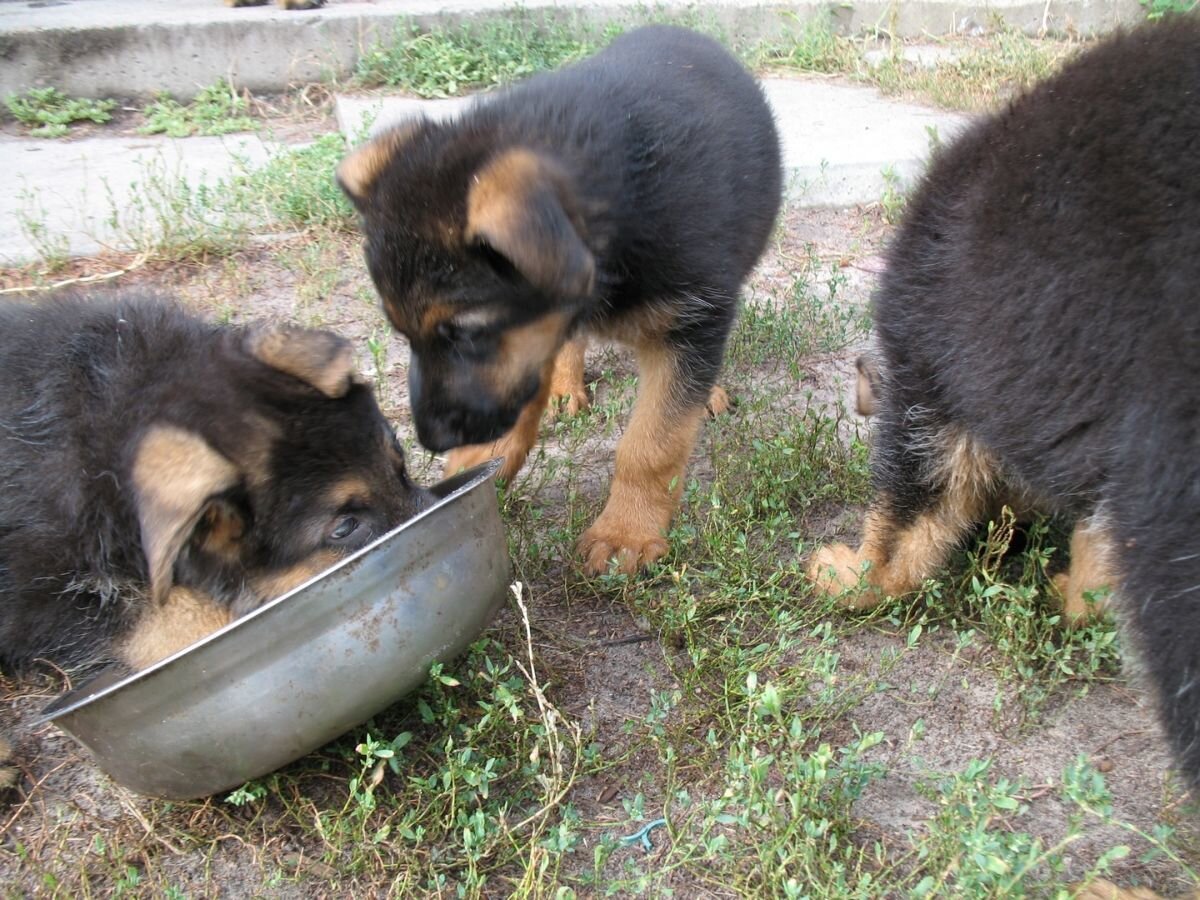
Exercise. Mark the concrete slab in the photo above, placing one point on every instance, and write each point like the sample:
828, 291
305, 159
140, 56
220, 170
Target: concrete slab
127, 48
76, 198
838, 140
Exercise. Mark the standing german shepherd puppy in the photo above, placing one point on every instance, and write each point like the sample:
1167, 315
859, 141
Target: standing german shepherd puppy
162, 475
1040, 331
626, 196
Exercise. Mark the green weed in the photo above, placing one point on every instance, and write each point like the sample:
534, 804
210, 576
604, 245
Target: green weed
48, 112
1158, 9
217, 109
445, 62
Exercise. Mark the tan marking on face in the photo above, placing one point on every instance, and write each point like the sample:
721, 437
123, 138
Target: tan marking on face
320, 358
648, 480
523, 349
349, 490
174, 474
358, 172
1093, 568
513, 446
184, 617
434, 315
521, 205
899, 559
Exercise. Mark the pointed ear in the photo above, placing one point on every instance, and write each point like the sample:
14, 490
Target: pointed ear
519, 205
320, 358
358, 172
175, 474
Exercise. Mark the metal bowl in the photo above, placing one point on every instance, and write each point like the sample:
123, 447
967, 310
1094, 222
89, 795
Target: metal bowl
308, 666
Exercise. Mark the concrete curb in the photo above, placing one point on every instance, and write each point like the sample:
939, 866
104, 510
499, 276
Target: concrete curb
136, 48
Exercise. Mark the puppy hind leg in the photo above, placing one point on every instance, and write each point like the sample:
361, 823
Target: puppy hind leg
906, 543
514, 445
1092, 569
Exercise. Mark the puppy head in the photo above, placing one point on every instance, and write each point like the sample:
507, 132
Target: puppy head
285, 465
481, 260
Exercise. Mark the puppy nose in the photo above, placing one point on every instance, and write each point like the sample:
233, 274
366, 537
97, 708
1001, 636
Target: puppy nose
438, 433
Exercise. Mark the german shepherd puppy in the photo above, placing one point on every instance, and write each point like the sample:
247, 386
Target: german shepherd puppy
1039, 327
163, 475
626, 196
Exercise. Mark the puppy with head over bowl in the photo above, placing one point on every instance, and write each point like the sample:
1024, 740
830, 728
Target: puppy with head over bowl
1039, 335
163, 475
627, 196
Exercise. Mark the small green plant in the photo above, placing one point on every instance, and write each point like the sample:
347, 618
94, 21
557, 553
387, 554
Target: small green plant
218, 109
249, 793
445, 62
49, 113
1158, 9
297, 188
893, 198
812, 46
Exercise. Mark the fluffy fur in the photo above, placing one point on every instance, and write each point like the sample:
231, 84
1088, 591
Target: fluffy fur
626, 196
162, 474
1039, 324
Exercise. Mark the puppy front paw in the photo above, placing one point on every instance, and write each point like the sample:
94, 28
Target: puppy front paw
631, 548
719, 402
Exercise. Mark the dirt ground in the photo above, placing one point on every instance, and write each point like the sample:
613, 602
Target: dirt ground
942, 706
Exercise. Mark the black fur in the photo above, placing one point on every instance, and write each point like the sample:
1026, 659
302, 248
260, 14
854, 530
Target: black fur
670, 177
1043, 296
84, 379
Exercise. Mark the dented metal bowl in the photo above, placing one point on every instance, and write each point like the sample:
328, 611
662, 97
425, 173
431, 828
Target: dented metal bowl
305, 668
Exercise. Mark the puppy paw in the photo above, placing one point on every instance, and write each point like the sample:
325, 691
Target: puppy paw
568, 402
837, 571
631, 548
1103, 889
462, 458
719, 402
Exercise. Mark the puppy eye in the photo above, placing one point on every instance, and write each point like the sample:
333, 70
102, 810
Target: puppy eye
461, 334
345, 527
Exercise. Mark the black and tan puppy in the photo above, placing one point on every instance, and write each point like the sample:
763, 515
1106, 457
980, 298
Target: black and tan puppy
1039, 324
162, 475
627, 196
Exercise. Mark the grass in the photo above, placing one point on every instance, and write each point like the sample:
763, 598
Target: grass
442, 62
217, 109
47, 112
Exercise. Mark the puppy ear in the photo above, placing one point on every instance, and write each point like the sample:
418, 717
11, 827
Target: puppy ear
320, 358
358, 172
175, 474
518, 205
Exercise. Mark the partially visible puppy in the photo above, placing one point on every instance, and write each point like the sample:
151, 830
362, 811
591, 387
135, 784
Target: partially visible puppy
163, 475
283, 4
1039, 324
626, 196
